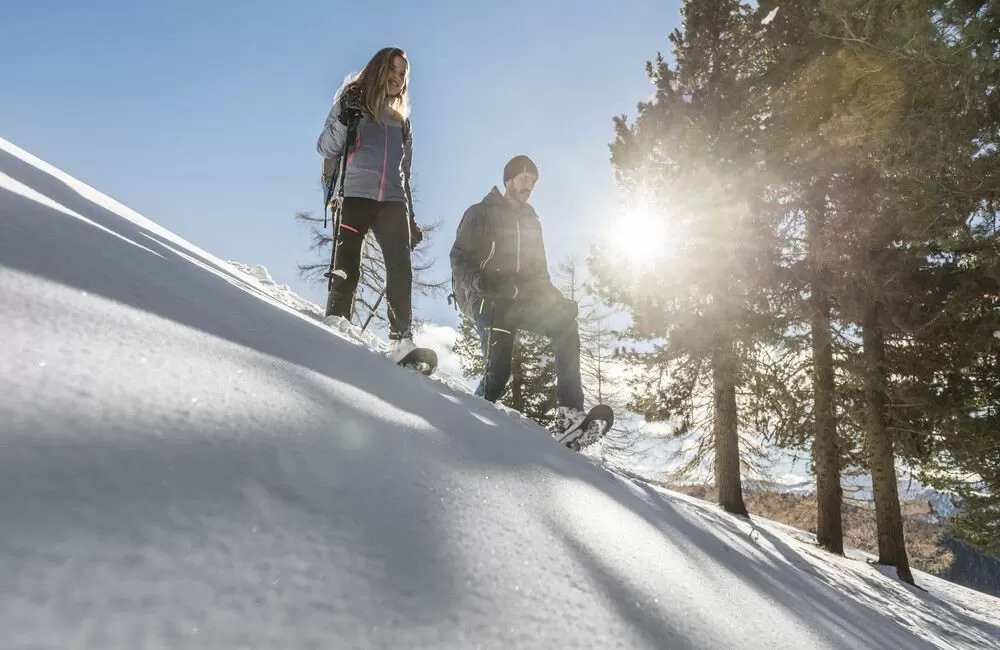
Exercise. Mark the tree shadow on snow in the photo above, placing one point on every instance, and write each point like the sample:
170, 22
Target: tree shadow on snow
804, 591
627, 600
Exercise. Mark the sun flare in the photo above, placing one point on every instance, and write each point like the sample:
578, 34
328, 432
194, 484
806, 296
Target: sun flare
641, 237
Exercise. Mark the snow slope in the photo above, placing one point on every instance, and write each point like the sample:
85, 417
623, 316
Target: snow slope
650, 454
186, 462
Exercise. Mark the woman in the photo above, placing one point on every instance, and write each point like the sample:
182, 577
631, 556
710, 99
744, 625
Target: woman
376, 187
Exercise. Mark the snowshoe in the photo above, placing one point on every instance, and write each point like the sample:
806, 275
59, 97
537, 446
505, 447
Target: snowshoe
422, 360
405, 353
577, 429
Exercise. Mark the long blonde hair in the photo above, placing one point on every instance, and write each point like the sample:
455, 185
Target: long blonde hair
373, 82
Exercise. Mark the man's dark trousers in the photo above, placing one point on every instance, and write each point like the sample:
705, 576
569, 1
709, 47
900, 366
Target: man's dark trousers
497, 323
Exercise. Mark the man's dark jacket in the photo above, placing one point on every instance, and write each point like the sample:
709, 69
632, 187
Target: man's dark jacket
503, 247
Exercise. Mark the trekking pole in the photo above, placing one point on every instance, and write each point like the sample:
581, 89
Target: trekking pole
371, 314
489, 346
351, 131
329, 193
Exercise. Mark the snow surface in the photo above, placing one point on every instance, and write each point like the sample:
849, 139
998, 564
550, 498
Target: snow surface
649, 453
188, 462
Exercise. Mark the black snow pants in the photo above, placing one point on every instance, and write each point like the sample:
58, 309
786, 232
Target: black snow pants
497, 323
389, 222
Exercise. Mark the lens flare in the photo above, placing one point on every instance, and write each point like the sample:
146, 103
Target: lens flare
642, 237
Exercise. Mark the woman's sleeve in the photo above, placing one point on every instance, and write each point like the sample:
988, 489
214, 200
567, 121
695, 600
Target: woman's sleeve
331, 139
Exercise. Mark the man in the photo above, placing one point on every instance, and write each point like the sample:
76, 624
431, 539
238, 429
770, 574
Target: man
501, 281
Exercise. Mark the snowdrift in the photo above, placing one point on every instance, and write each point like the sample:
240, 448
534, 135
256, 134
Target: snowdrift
187, 462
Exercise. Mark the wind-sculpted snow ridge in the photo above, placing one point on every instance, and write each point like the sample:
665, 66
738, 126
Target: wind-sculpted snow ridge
188, 462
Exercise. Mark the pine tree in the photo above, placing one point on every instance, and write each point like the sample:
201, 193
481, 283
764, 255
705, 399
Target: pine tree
468, 348
859, 116
533, 378
702, 313
797, 191
963, 390
888, 126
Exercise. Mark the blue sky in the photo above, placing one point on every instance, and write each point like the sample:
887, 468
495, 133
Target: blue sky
203, 116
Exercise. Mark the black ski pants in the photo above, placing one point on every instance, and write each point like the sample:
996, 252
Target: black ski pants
497, 323
389, 222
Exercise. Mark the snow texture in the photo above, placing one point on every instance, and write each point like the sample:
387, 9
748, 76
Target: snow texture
649, 454
187, 462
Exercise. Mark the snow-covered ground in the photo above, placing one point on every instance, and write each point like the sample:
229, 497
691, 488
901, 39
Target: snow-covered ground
649, 455
187, 461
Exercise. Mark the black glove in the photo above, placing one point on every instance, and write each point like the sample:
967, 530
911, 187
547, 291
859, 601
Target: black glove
501, 288
350, 106
416, 235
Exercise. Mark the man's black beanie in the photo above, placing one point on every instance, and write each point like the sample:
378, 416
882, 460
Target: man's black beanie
518, 165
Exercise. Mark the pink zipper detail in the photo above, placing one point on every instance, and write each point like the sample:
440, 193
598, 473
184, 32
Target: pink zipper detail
385, 159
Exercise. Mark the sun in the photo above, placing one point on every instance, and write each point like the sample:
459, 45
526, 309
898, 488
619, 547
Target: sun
641, 237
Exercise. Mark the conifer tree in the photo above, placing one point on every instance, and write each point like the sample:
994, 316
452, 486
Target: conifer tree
865, 175
877, 110
859, 115
796, 194
962, 387
700, 313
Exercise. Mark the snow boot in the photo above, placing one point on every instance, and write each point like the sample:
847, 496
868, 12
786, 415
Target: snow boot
399, 347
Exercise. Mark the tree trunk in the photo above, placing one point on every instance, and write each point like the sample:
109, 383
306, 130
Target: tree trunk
826, 451
726, 432
888, 518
